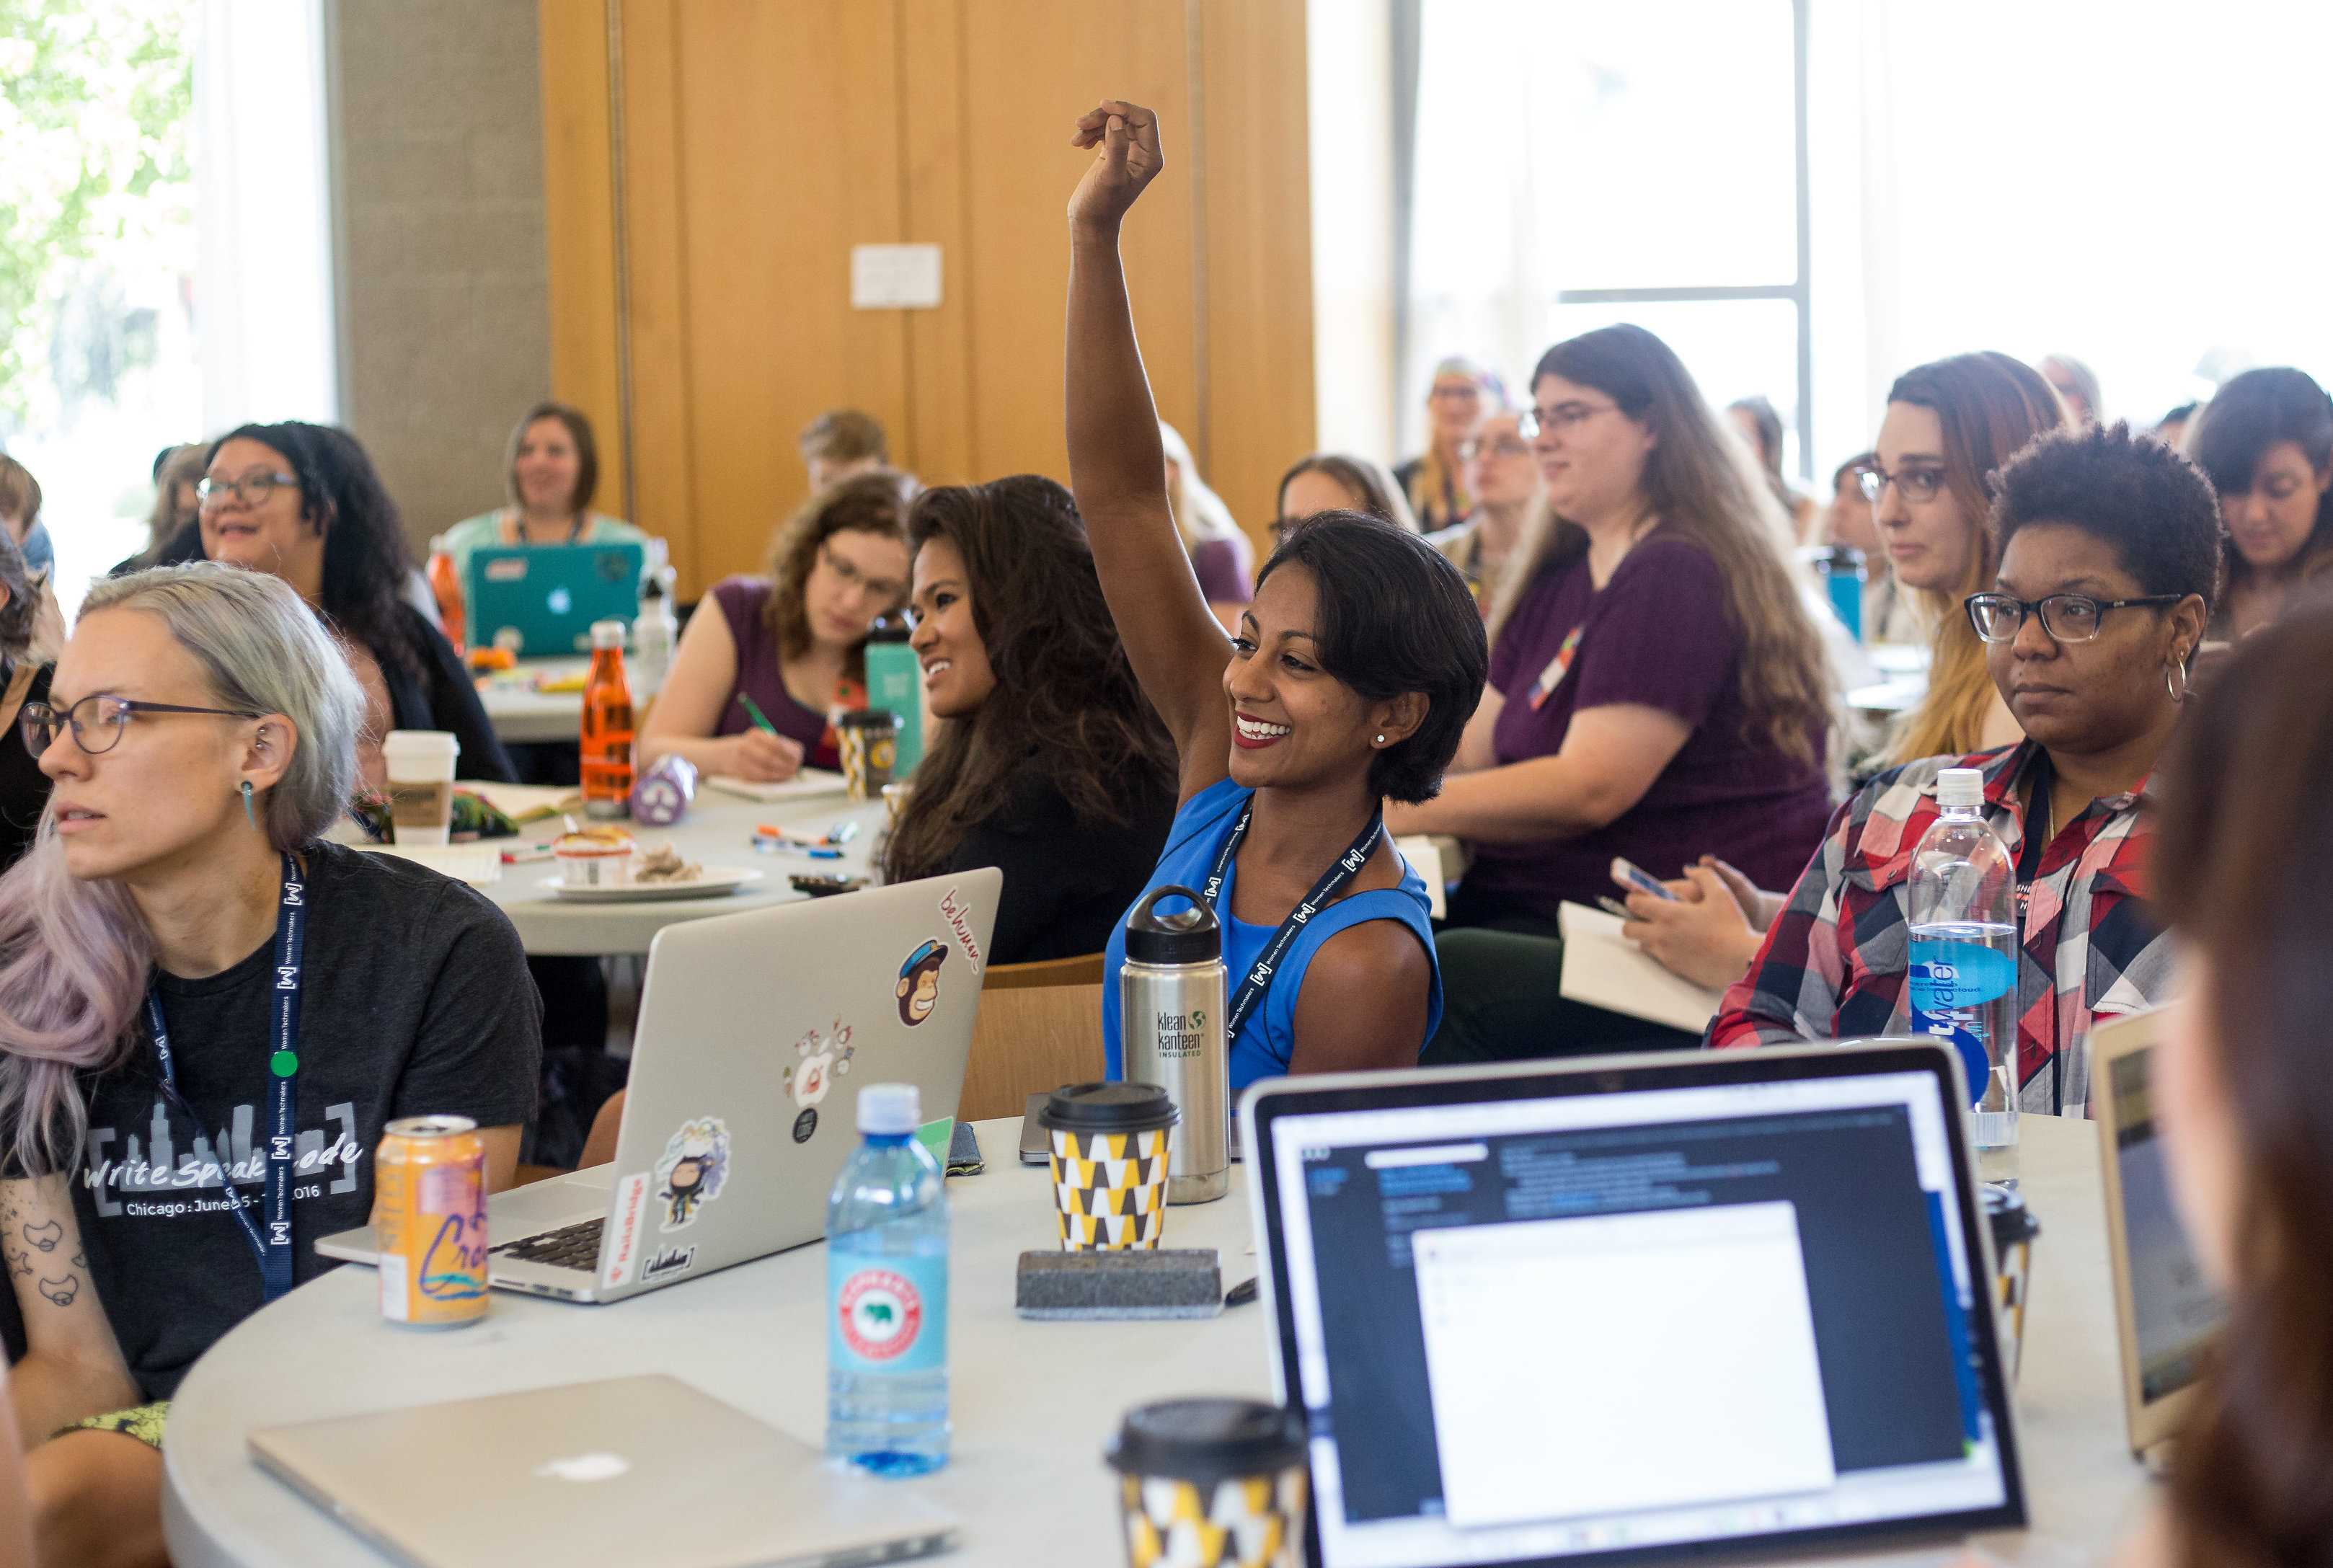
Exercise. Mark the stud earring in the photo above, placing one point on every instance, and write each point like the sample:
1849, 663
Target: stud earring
249, 814
1381, 740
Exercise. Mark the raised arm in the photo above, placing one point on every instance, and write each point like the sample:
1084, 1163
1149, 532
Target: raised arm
1118, 469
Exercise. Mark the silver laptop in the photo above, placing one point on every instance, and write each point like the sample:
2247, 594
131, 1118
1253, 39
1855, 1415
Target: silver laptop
755, 1032
1633, 1306
630, 1472
2167, 1316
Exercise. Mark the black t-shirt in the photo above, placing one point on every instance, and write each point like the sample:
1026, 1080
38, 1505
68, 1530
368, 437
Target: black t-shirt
415, 999
24, 787
1066, 880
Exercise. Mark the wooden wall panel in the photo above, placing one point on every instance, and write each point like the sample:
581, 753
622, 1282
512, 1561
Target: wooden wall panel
934, 153
656, 250
579, 224
789, 131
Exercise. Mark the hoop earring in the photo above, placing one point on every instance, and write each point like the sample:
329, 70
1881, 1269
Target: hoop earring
249, 816
2179, 693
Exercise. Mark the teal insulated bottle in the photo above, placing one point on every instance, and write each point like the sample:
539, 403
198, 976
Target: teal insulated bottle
894, 683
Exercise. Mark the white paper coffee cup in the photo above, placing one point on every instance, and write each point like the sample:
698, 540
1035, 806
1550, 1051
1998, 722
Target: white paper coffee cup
420, 766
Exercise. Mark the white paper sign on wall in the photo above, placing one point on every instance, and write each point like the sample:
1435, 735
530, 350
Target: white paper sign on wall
894, 277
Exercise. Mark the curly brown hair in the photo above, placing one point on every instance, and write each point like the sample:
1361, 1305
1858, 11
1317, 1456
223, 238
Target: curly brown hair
1065, 703
873, 503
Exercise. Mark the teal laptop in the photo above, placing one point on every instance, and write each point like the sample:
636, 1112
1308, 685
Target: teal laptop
550, 595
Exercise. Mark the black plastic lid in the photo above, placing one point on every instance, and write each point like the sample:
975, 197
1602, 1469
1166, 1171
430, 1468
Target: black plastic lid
2005, 1210
889, 627
1109, 1108
1842, 558
1191, 936
866, 718
1207, 1439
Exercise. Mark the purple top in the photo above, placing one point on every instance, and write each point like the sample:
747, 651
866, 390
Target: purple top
744, 604
1225, 569
1658, 635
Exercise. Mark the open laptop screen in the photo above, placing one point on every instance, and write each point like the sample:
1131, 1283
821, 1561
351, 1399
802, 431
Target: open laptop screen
1532, 1323
2172, 1315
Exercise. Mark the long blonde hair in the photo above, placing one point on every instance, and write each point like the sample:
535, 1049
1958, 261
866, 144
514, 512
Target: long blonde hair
1200, 514
1989, 405
1704, 485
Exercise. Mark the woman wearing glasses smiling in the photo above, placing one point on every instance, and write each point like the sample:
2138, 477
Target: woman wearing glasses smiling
2110, 565
792, 644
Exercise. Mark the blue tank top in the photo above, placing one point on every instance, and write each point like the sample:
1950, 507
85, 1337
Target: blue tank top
1267, 1039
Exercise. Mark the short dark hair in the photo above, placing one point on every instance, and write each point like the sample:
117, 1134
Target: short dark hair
365, 560
1365, 480
586, 452
844, 435
2131, 491
1396, 617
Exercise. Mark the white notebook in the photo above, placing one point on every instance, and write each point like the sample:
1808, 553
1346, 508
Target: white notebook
1605, 969
809, 783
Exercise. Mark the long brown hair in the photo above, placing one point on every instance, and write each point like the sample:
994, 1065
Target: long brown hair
2241, 853
1065, 703
1989, 405
874, 503
1703, 486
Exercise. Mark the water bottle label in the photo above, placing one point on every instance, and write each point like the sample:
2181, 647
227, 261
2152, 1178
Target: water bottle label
1950, 984
889, 1317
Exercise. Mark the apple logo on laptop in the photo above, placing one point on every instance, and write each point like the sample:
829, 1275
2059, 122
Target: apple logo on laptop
585, 1467
561, 601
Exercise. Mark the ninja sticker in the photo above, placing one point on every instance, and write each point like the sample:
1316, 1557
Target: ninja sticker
693, 1171
821, 1058
919, 983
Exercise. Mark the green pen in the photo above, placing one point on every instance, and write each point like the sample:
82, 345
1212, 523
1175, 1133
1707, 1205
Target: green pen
753, 712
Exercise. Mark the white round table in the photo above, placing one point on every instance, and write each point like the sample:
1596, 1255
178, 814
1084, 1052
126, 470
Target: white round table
718, 831
1033, 1402
519, 713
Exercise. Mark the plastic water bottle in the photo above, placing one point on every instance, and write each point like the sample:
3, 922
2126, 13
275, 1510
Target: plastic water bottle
886, 1272
1965, 951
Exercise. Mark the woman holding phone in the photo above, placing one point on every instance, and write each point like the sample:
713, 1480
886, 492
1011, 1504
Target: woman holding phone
1348, 682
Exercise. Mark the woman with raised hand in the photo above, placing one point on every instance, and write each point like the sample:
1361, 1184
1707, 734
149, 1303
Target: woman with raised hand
1347, 683
201, 734
2109, 549
1047, 762
755, 685
2246, 1104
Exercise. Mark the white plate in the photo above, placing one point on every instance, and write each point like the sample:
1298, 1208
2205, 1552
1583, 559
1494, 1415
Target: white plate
715, 881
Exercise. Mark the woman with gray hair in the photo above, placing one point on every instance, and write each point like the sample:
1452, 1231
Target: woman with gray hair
208, 1013
24, 677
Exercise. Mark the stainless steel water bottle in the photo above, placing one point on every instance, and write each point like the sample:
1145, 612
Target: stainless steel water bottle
1170, 995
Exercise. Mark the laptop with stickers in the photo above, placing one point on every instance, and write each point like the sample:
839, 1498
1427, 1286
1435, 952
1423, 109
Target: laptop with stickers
755, 1031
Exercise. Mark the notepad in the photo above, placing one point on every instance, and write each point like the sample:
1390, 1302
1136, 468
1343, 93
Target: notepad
808, 784
478, 864
1604, 969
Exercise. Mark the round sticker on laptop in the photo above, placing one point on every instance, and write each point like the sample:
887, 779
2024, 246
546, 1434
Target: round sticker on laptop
805, 1125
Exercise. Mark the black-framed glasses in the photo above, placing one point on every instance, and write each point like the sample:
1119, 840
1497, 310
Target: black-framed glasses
251, 489
2067, 617
98, 720
1564, 418
1917, 483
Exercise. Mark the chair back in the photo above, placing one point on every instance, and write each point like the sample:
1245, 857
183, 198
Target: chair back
1039, 1027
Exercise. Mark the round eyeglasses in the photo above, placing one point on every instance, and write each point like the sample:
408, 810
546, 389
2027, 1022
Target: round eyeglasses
2065, 617
97, 721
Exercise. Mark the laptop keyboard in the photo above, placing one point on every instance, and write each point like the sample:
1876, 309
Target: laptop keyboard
570, 1247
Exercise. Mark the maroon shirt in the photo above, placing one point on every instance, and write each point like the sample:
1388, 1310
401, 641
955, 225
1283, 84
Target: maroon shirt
744, 604
1659, 635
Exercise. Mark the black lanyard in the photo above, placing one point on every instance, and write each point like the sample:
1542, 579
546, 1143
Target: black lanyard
274, 1250
1259, 978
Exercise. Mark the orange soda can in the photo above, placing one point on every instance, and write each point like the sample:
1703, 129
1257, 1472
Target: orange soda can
430, 1185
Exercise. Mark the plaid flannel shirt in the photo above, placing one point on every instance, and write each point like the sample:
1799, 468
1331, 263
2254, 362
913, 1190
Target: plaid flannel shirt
1833, 966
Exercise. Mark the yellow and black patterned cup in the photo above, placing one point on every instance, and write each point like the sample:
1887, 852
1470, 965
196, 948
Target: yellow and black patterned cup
1212, 1483
869, 741
1109, 1145
2013, 1230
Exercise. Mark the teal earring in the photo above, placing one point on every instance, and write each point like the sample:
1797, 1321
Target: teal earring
249, 816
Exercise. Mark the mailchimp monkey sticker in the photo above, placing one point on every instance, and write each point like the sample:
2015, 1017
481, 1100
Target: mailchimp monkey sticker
693, 1171
919, 983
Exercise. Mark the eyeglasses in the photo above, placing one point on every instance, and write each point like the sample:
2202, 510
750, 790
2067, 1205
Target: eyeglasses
1504, 446
1917, 483
2067, 617
97, 721
1564, 419
1468, 392
251, 489
888, 589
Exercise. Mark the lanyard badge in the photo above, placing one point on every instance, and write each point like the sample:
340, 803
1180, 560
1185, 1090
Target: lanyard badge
1332, 882
273, 1248
1557, 668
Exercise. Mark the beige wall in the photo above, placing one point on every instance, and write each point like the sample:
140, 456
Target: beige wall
762, 140
444, 285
